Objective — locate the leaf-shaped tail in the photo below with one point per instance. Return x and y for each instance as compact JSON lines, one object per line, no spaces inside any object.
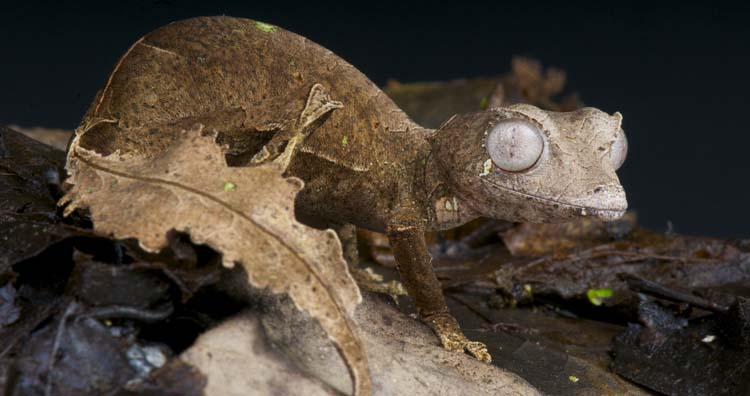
{"x":247,"y":214}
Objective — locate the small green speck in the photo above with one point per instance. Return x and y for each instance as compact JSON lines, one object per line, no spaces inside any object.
{"x":597,"y":296}
{"x":345,"y":141}
{"x":528,"y":291}
{"x":90,"y":190}
{"x":573,"y":379}
{"x":229,"y":186}
{"x":486,"y":167}
{"x":424,"y":161}
{"x":265,"y":27}
{"x":483,"y":103}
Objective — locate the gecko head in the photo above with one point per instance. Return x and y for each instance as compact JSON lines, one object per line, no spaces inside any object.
{"x":521,"y":163}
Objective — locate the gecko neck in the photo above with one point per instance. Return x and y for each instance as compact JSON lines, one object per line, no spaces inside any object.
{"x":445,"y":208}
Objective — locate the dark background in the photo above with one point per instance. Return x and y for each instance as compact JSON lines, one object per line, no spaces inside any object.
{"x":679,"y":74}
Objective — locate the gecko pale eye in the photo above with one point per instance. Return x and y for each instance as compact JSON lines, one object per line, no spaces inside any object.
{"x":515,"y":145}
{"x":619,"y":150}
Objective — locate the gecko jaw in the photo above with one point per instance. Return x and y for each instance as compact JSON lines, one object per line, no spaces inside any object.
{"x":606,"y":214}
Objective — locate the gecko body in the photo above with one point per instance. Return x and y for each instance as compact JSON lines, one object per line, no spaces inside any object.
{"x":363,"y":161}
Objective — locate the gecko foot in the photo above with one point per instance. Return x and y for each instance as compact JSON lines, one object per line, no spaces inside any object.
{"x":371,"y":281}
{"x":453,"y":339}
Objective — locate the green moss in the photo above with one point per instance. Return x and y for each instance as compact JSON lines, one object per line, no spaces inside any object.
{"x":229,"y":186}
{"x":597,"y":296}
{"x":483,"y":103}
{"x":344,"y":141}
{"x":265,"y":27}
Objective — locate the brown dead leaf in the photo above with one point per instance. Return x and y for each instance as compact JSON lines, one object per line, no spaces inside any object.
{"x":534,"y":81}
{"x":247,"y":214}
{"x":560,"y":238}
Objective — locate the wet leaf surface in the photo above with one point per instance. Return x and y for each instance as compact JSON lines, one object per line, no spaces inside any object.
{"x":9,"y":309}
{"x":28,"y":167}
{"x":74,"y":355}
{"x":702,"y":358}
{"x":686,"y":262}
{"x":546,"y":348}
{"x":28,"y":221}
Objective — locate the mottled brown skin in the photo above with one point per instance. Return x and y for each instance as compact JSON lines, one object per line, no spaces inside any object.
{"x":364,"y":162}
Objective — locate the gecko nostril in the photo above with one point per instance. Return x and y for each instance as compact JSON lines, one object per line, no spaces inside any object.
{"x":598,"y":190}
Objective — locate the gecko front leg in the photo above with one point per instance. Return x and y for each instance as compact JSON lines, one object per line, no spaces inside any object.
{"x":406,"y":236}
{"x":317,"y":105}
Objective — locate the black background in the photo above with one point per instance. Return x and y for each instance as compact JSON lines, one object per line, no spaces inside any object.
{"x":678,"y":73}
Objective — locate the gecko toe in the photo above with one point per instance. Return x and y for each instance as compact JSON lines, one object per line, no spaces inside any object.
{"x":478,"y":350}
{"x":453,"y":339}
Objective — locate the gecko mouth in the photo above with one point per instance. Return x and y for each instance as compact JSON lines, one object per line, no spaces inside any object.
{"x":605,"y":213}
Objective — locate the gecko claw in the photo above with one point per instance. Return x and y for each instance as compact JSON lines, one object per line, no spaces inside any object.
{"x":453,"y":339}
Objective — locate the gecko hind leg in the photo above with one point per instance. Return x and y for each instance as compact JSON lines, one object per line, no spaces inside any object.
{"x":366,"y":278}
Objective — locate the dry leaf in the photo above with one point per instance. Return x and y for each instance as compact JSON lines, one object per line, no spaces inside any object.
{"x":247,"y":214}
{"x":560,"y":238}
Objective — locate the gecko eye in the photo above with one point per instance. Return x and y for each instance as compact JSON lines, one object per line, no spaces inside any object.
{"x":515,"y":145}
{"x":619,"y":150}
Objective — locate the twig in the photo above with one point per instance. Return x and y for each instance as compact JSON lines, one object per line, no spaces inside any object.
{"x":606,"y":251}
{"x":56,"y":346}
{"x":127,"y":312}
{"x":641,"y":285}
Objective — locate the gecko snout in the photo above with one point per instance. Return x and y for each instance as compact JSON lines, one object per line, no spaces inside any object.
{"x":607,"y":202}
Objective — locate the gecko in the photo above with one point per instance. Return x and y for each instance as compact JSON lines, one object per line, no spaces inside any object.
{"x":275,"y":96}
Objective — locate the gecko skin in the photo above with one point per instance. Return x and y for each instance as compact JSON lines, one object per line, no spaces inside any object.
{"x":363,"y":161}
